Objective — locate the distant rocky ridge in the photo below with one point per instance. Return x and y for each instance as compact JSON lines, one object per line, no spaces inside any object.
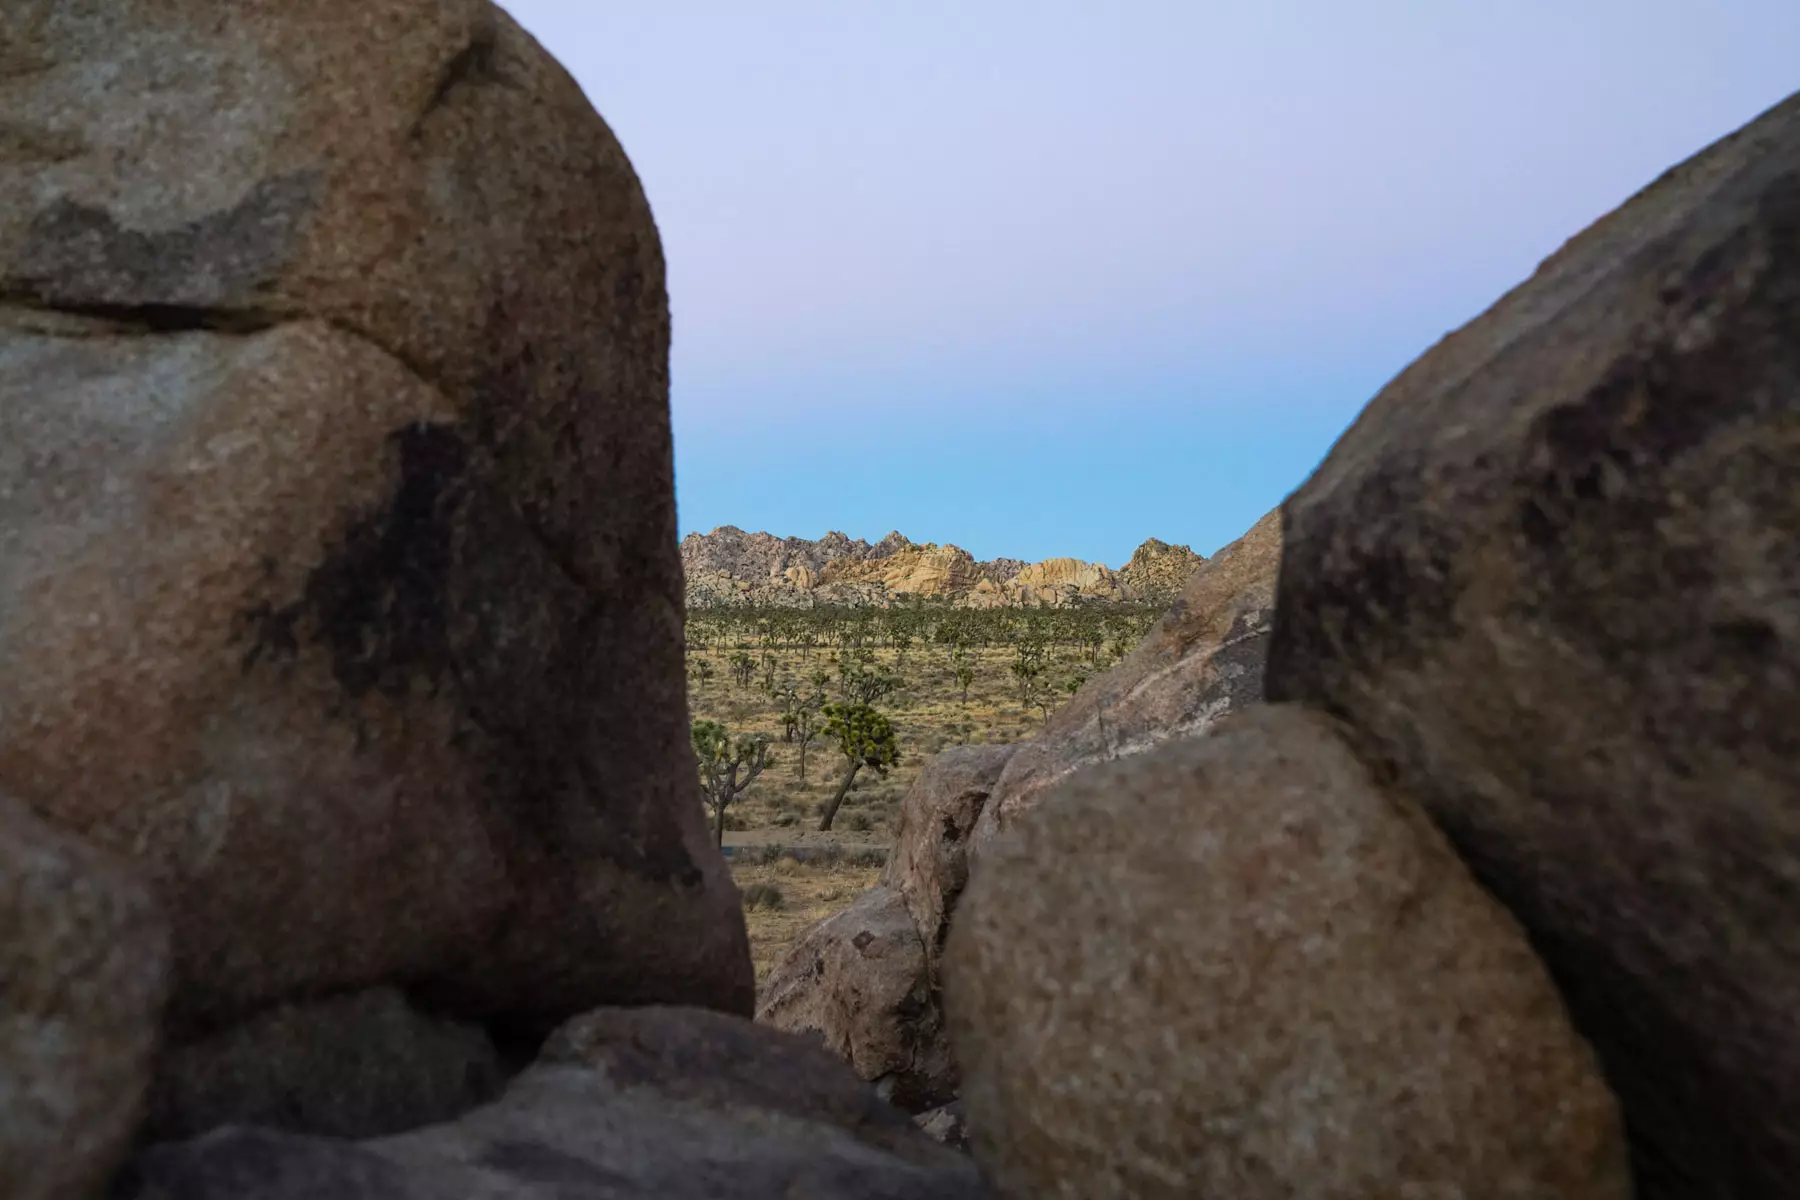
{"x":729,"y":566}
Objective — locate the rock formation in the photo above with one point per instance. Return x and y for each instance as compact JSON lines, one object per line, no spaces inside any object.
{"x":339,"y":588}
{"x":1158,"y":571}
{"x":729,"y":566}
{"x":350,"y":842}
{"x":1233,"y":967}
{"x":866,"y":979}
{"x":1549,"y":580}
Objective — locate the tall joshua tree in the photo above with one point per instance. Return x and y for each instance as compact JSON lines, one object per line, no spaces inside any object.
{"x":865,"y":738}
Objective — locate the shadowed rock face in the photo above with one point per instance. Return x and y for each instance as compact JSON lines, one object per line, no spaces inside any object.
{"x":1549,"y":580}
{"x":1232,"y":966}
{"x":653,"y":1103}
{"x":338,"y":572}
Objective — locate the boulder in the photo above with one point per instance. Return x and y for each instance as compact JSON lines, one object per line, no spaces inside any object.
{"x":338,"y":571}
{"x":651,"y":1103}
{"x":1203,"y":660}
{"x":858,"y":979}
{"x":929,"y":864}
{"x":865,"y":980}
{"x":1233,"y":966}
{"x":83,"y":975}
{"x":360,"y":1065}
{"x":1549,"y":581}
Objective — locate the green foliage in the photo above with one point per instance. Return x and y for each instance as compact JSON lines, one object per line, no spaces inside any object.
{"x":743,"y":667}
{"x":866,"y":738}
{"x":962,"y":668}
{"x":721,"y":758}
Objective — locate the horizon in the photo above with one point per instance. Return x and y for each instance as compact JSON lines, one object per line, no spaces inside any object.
{"x":911,"y":541}
{"x":1045,"y":281}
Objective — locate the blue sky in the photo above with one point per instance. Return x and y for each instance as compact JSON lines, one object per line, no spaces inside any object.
{"x":1045,"y":277}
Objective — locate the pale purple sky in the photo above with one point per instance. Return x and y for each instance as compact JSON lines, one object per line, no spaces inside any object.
{"x":1047,"y":277}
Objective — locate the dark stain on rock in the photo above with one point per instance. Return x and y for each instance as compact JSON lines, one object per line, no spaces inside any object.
{"x":379,"y":603}
{"x":78,"y":257}
{"x":475,"y":65}
{"x":1377,"y":554}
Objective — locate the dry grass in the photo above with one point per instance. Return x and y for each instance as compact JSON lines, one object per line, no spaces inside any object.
{"x":810,"y":892}
{"x":928,"y":715}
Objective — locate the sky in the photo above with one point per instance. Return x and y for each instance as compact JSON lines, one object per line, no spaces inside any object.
{"x":1050,"y":277}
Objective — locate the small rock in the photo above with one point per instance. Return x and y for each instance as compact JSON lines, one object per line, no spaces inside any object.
{"x":947,"y":1124}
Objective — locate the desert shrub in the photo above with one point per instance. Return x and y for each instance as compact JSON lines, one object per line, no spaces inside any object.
{"x":859,"y":822}
{"x":787,"y":817}
{"x":763,"y":895}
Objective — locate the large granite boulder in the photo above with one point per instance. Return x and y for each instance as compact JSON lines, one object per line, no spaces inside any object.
{"x":1232,"y":966}
{"x":338,"y":572}
{"x":640,"y":1104}
{"x":83,"y":975}
{"x":1550,"y":580}
{"x":1204,"y":659}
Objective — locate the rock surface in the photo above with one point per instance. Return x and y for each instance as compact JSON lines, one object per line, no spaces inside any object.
{"x":338,"y":572}
{"x":1233,"y":967}
{"x":1550,"y":580}
{"x":865,"y":980}
{"x":1158,"y":571}
{"x":356,"y":1066}
{"x":947,"y":1123}
{"x":929,"y":864}
{"x":1202,"y":661}
{"x":83,"y":975}
{"x":657,"y":1104}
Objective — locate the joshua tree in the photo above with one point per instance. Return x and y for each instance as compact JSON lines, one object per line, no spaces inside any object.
{"x":901,"y":638}
{"x":721,"y":758}
{"x":743,"y":668}
{"x":964,"y":670}
{"x":808,"y":724}
{"x":866,"y":739}
{"x":703,"y":671}
{"x":1028,"y":663}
